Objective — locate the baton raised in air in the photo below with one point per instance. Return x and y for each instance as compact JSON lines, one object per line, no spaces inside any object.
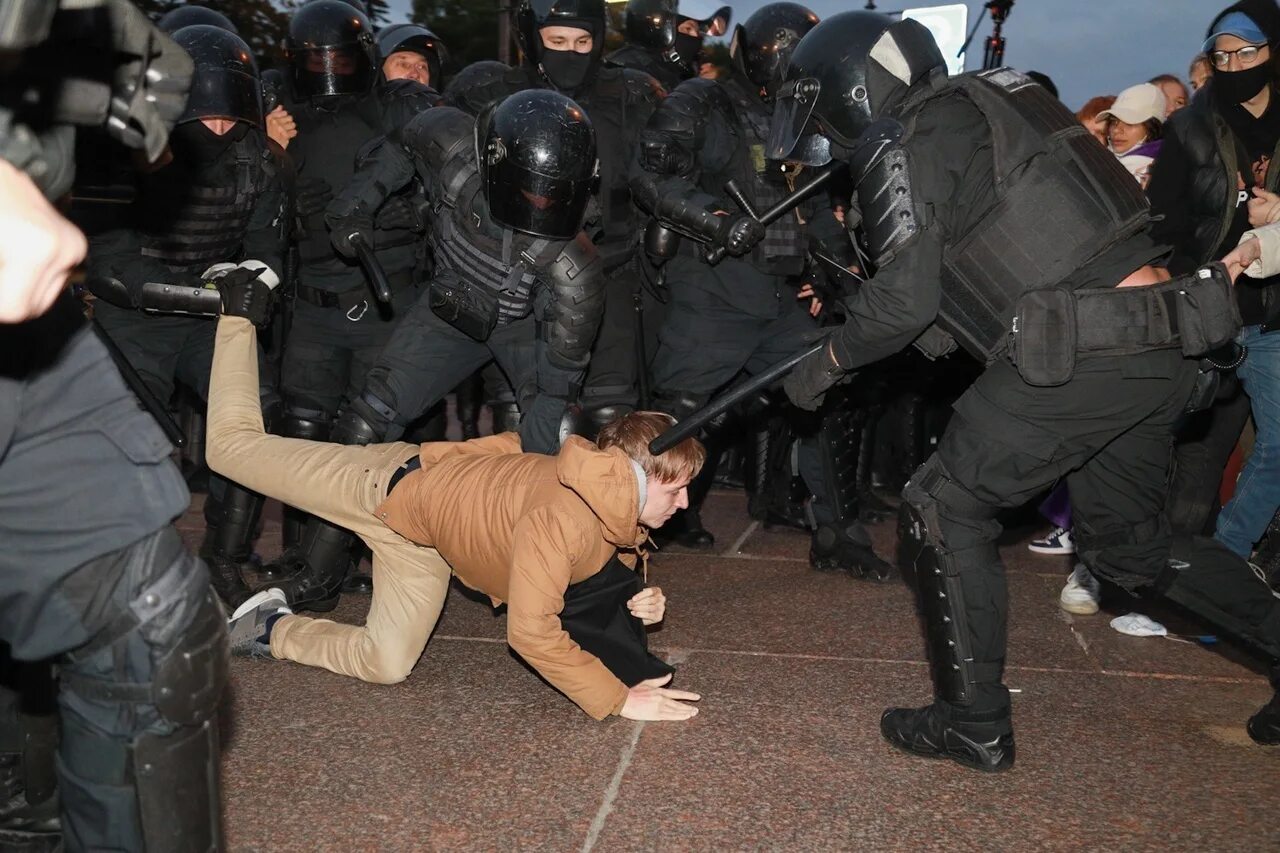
{"x":690,"y":425}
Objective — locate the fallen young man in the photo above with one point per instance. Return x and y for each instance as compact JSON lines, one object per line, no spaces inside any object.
{"x":554,"y":538}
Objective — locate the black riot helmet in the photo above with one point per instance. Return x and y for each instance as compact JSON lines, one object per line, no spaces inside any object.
{"x":417,"y":39}
{"x":191,"y":16}
{"x":650,"y":23}
{"x":762,"y":44}
{"x":561,"y":69}
{"x":330,"y":46}
{"x":536,"y":151}
{"x":844,"y":74}
{"x":225,"y":83}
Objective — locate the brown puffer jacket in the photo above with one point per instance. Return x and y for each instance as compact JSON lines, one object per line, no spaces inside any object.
{"x":520,"y":527}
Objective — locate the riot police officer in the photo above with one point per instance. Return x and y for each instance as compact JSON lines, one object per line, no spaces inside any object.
{"x":217,"y":200}
{"x":664,"y":37}
{"x":743,"y":312}
{"x":514,"y":279}
{"x":563,"y":45}
{"x":92,"y":571}
{"x":1085,"y":342}
{"x":412,"y":52}
{"x":339,"y":106}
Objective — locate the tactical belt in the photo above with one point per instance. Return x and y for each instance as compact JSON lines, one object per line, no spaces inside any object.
{"x":351,"y":297}
{"x":404,"y":470}
{"x":332,"y":298}
{"x":1195,"y":313}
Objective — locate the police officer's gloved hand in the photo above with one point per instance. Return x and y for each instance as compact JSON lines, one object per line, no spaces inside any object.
{"x":312,"y":196}
{"x":809,"y":381}
{"x":397,"y":213}
{"x":245,"y":294}
{"x":343,"y":228}
{"x":739,"y":233}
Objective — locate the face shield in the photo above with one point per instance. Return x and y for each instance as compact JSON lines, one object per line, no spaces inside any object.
{"x":793,"y":123}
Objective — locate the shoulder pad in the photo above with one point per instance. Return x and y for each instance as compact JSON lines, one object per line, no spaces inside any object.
{"x":436,"y":135}
{"x":481,"y":83}
{"x":641,"y":86}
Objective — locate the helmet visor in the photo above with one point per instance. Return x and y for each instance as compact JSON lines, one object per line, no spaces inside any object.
{"x":537,"y":204}
{"x":345,"y":70}
{"x":792,"y":114}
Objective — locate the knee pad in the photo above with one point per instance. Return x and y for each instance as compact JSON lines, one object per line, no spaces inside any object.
{"x":679,"y":404}
{"x":140,"y":703}
{"x":272,"y":408}
{"x":299,"y":422}
{"x":358,"y":424}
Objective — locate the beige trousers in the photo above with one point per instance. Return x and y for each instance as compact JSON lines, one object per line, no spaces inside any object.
{"x":342,"y":485}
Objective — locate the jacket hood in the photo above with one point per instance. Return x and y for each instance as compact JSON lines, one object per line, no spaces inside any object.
{"x":605,"y":480}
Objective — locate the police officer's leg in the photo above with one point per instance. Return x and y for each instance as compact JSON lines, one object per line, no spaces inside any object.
{"x":610,"y":387}
{"x":828,"y":458}
{"x":1007,"y":442}
{"x":145,"y":663}
{"x":313,"y":374}
{"x":703,"y":343}
{"x":28,"y":748}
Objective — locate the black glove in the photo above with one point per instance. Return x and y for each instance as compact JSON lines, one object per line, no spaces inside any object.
{"x":341,"y":229}
{"x":312,"y":196}
{"x":398,"y":213}
{"x":807,"y":383}
{"x":739,"y":233}
{"x":244,"y":294}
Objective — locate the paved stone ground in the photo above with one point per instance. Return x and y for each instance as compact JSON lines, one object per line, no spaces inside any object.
{"x":1124,"y":743}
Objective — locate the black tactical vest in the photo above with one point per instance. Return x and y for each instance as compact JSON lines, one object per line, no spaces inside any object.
{"x":465,"y":240}
{"x":1061,"y":201}
{"x":782,"y":250}
{"x":191,"y":224}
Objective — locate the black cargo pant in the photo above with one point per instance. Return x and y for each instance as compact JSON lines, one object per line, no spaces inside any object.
{"x":92,"y":573}
{"x":631,"y":319}
{"x":1109,"y":432}
{"x":728,"y":319}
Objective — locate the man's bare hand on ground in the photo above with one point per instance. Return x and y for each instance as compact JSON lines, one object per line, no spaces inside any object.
{"x":40,"y":248}
{"x":649,"y":701}
{"x":649,"y":605}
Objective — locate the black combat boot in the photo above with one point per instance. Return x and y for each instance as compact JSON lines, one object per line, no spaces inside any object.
{"x":847,"y":549}
{"x":231,"y":518}
{"x":321,"y":563}
{"x":930,"y":731}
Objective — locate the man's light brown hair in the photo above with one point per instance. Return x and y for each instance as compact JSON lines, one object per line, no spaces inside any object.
{"x":632,"y":433}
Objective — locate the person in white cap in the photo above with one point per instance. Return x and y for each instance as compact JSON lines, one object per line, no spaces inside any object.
{"x":1133,"y":128}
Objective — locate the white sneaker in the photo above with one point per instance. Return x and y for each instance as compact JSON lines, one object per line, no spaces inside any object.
{"x":248,"y":624}
{"x":1057,"y":542}
{"x":1081,"y":594}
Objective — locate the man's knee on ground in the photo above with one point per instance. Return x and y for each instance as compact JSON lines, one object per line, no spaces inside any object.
{"x":387,"y":665}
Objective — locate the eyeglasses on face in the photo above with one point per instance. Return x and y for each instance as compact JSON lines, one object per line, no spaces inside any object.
{"x":1247,"y":55}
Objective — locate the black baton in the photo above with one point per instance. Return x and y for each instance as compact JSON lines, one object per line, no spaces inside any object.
{"x":773,"y":214}
{"x":700,"y":418}
{"x":372,"y":269}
